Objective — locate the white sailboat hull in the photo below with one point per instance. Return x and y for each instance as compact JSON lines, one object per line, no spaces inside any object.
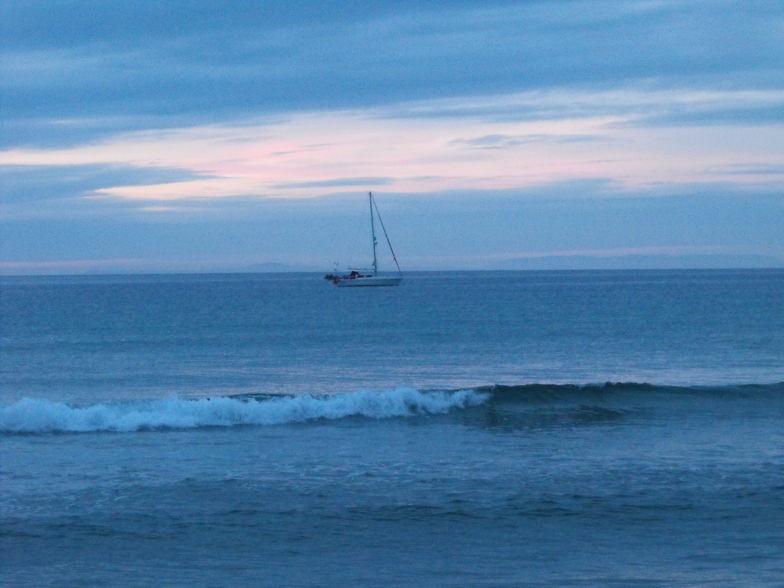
{"x":367,"y":281}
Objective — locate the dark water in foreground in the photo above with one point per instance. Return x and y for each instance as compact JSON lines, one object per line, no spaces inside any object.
{"x":275,"y":431}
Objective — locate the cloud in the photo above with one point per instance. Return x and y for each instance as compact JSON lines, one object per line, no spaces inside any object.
{"x":465,"y":146}
{"x":69,"y":61}
{"x":337,"y":183}
{"x":752,"y":169}
{"x":500,"y":141}
{"x":34,"y":183}
{"x":640,"y":104}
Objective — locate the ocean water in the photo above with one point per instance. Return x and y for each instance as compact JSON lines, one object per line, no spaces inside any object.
{"x":464,"y":429}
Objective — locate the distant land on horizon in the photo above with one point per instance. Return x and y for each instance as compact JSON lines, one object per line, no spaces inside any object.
{"x":567,"y":262}
{"x":545,"y":262}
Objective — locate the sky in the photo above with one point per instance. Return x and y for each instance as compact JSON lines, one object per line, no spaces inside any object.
{"x":241,"y":135}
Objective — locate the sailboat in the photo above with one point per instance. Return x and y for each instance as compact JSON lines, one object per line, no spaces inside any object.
{"x":369,"y":277}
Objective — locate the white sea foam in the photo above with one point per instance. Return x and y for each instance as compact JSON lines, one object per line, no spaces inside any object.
{"x":43,"y":416}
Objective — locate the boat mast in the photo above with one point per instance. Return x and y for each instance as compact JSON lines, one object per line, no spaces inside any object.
{"x":373,"y":233}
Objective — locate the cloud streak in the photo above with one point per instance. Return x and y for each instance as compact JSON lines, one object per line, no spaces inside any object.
{"x":312,"y":154}
{"x":241,"y":59}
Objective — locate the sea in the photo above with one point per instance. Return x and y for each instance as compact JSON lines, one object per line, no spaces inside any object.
{"x":533,"y":428}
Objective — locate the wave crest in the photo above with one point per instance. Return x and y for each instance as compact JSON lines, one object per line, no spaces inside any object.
{"x":532,"y":393}
{"x":43,"y":416}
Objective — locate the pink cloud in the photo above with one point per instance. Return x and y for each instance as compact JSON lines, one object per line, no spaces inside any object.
{"x":287,"y":159}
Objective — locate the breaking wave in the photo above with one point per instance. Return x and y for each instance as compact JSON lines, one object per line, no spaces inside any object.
{"x":43,"y":416}
{"x":31,"y":416}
